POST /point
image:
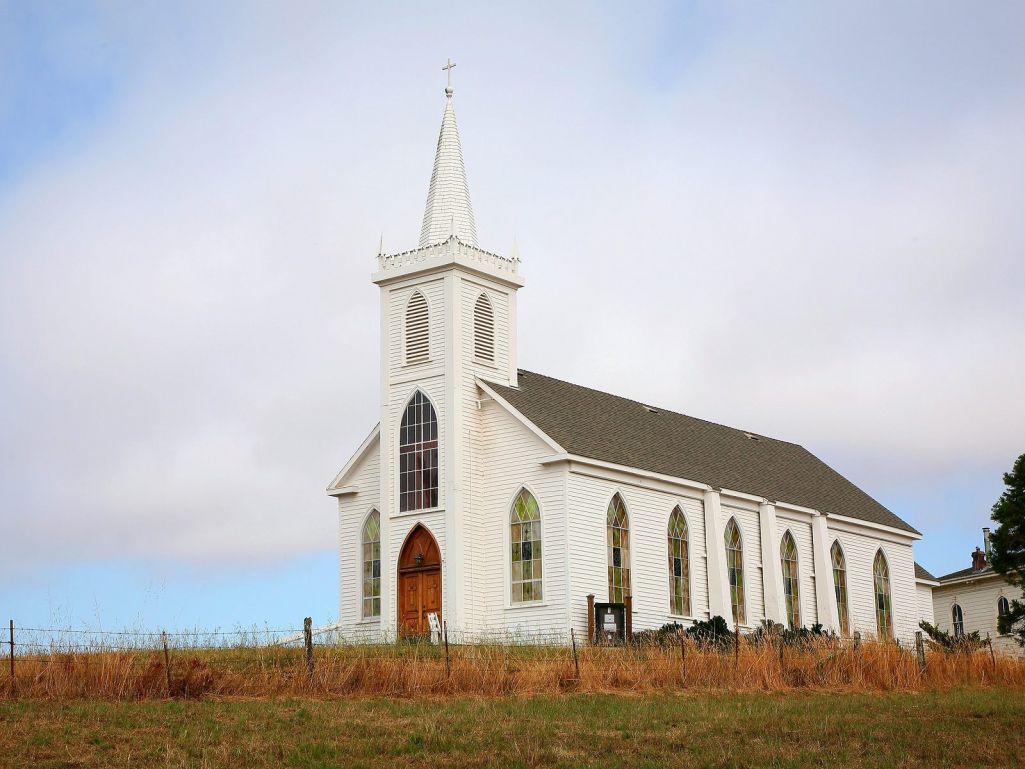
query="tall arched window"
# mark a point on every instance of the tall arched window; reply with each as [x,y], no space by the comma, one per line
[881,580]
[418,348]
[618,534]
[418,455]
[840,586]
[679,564]
[371,540]
[484,329]
[525,536]
[735,570]
[957,618]
[791,580]
[1003,607]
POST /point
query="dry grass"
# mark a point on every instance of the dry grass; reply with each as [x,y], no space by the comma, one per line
[410,670]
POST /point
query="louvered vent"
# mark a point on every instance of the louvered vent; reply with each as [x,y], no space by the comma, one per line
[484,330]
[417,337]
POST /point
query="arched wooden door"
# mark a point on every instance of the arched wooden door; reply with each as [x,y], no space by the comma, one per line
[419,582]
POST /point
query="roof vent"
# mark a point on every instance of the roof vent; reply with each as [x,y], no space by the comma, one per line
[752,436]
[650,410]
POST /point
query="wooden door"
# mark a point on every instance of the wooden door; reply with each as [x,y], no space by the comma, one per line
[419,594]
[419,582]
[409,604]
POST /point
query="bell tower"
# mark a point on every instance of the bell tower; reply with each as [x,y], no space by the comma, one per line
[448,316]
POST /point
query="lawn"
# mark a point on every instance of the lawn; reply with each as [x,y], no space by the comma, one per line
[963,727]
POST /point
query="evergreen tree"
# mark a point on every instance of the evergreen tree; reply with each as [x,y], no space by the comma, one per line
[1008,545]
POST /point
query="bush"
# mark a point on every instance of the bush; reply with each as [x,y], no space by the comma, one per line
[952,644]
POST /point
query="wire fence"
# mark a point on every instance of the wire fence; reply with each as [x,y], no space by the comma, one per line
[125,664]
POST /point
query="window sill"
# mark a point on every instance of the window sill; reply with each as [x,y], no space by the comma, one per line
[369,621]
[424,511]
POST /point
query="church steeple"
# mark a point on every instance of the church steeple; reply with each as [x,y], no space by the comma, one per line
[448,209]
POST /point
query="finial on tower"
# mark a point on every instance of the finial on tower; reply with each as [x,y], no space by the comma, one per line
[448,70]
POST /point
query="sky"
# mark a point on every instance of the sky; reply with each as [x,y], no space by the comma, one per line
[800,219]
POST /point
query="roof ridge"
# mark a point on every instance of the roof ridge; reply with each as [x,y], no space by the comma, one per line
[666,410]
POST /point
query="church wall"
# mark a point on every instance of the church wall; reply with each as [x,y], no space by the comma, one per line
[925,610]
[747,520]
[800,527]
[978,603]
[649,510]
[504,461]
[398,298]
[860,546]
[352,513]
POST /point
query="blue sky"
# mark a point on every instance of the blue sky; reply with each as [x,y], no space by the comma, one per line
[797,219]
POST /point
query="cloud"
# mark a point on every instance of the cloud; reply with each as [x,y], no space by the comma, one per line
[805,223]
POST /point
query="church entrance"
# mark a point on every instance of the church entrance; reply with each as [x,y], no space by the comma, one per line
[419,582]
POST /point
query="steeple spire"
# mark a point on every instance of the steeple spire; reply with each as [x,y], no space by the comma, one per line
[448,209]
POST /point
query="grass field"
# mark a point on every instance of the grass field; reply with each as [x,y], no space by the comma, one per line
[967,727]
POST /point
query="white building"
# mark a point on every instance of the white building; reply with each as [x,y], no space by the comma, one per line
[973,599]
[500,498]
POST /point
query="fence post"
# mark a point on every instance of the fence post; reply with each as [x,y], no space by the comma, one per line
[448,662]
[857,640]
[590,618]
[12,652]
[920,649]
[167,661]
[992,654]
[736,650]
[628,609]
[576,662]
[683,658]
[782,646]
[308,639]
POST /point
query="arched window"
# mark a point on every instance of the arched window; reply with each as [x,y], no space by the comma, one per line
[418,455]
[791,580]
[840,586]
[679,564]
[418,348]
[957,617]
[1003,607]
[484,330]
[525,536]
[735,569]
[618,533]
[881,580]
[371,540]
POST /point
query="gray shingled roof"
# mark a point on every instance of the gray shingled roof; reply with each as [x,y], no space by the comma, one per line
[922,573]
[967,573]
[606,427]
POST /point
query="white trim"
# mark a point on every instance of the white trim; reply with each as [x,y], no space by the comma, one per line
[482,384]
[601,464]
[795,508]
[929,582]
[742,495]
[343,491]
[354,459]
[872,525]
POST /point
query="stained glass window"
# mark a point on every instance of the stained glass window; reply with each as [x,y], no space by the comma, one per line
[618,531]
[525,536]
[735,570]
[1003,607]
[958,619]
[679,564]
[418,455]
[840,586]
[791,580]
[372,565]
[881,579]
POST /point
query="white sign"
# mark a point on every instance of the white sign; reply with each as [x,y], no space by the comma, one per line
[434,622]
[609,623]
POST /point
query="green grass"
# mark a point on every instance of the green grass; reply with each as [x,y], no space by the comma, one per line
[965,727]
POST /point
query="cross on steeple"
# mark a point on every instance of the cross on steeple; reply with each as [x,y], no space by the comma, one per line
[448,69]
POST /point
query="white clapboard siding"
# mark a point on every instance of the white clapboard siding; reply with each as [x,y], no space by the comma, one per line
[978,602]
[352,512]
[648,510]
[925,609]
[860,546]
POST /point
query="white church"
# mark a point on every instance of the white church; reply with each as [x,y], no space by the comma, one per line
[499,499]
